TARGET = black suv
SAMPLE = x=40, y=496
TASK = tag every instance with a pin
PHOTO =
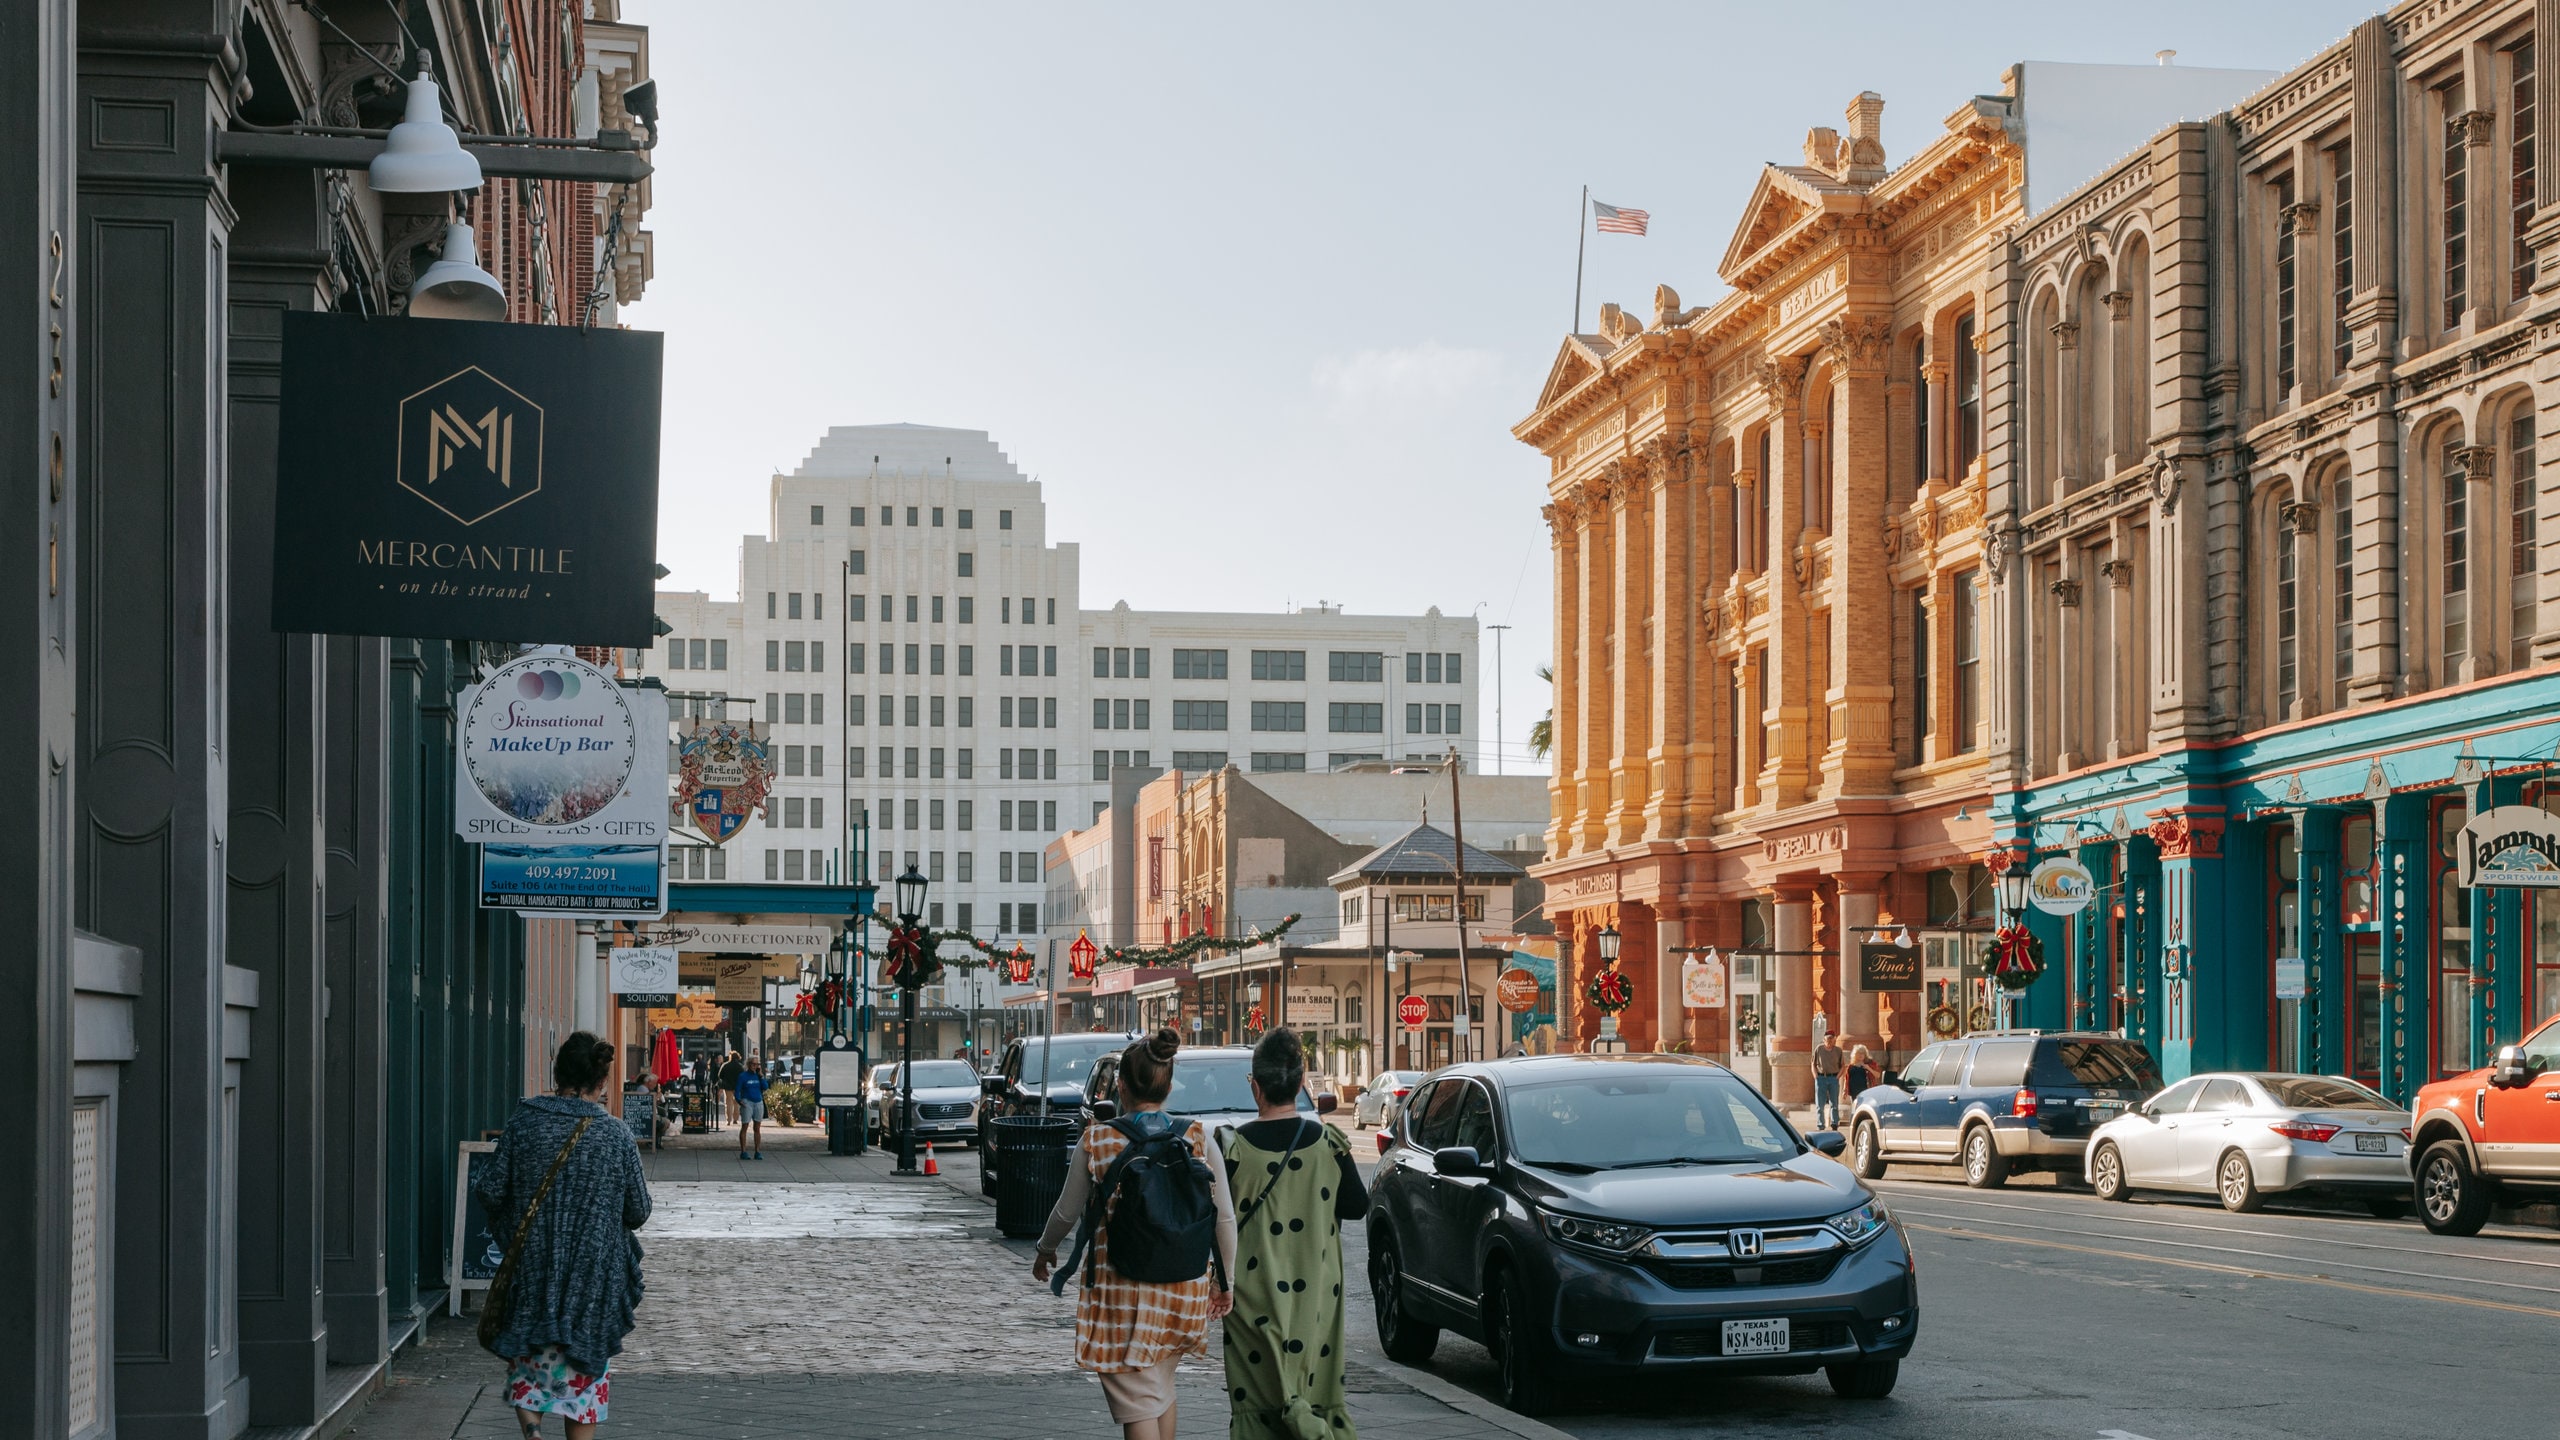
x=1065, y=1061
x=1600, y=1213
x=2000, y=1102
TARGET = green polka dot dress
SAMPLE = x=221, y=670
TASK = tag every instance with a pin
x=1284, y=1337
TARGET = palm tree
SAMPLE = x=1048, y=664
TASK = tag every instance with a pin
x=1542, y=736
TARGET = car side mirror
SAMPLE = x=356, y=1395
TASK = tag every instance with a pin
x=1327, y=1104
x=2510, y=1070
x=1104, y=1109
x=2139, y=1107
x=992, y=1086
x=1459, y=1160
x=1829, y=1142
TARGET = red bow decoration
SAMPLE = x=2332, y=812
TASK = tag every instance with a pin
x=2016, y=957
x=1609, y=992
x=829, y=999
x=804, y=1007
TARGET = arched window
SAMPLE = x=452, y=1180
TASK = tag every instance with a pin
x=1921, y=474
x=2523, y=552
x=2043, y=396
x=1968, y=397
x=2453, y=558
x=1759, y=547
x=1825, y=451
x=2288, y=619
x=2342, y=585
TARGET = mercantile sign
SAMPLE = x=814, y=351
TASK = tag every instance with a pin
x=463, y=480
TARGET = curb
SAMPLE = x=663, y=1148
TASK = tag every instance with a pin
x=1469, y=1403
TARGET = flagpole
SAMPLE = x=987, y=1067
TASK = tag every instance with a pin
x=1581, y=237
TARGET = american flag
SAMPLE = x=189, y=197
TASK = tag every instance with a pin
x=1614, y=221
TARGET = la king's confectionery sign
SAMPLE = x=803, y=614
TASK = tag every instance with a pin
x=2512, y=845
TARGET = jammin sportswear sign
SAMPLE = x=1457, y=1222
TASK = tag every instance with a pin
x=463, y=480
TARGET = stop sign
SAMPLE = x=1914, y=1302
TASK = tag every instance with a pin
x=1412, y=1011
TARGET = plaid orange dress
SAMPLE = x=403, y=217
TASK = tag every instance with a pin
x=1125, y=1324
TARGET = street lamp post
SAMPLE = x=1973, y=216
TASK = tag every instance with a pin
x=2011, y=890
x=909, y=952
x=1607, y=938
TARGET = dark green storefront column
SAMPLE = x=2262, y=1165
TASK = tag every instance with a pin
x=2322, y=1038
x=2405, y=911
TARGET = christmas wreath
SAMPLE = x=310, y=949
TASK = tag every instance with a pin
x=1609, y=992
x=1982, y=1017
x=2015, y=957
x=1943, y=1021
x=1746, y=1031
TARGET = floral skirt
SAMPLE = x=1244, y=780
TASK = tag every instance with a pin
x=543, y=1383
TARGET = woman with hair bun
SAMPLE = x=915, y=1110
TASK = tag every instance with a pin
x=563, y=1193
x=1299, y=1184
x=1131, y=1332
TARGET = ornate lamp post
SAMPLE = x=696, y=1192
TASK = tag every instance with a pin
x=2009, y=887
x=1608, y=988
x=912, y=965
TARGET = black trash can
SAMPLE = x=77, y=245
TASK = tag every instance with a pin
x=845, y=1133
x=1031, y=1169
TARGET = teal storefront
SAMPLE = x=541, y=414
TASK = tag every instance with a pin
x=2291, y=900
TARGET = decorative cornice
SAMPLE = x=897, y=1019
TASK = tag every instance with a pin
x=2474, y=128
x=2474, y=462
x=2066, y=590
x=1781, y=379
x=2119, y=304
x=2119, y=573
x=2066, y=334
x=2305, y=215
x=2302, y=516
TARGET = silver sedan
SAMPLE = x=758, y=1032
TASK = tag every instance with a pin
x=1379, y=1098
x=2244, y=1136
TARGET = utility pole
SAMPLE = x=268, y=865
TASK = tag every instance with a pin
x=1458, y=863
x=1497, y=695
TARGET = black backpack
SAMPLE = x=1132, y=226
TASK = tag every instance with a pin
x=1165, y=1230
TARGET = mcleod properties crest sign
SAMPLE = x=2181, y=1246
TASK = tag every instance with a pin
x=464, y=480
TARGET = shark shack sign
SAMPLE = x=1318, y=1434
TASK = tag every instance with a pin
x=461, y=480
x=2514, y=846
x=555, y=753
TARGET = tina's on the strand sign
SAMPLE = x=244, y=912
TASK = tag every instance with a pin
x=461, y=480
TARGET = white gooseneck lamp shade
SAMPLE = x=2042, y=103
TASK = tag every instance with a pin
x=455, y=287
x=423, y=155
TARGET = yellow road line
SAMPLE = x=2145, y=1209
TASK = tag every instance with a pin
x=2238, y=1270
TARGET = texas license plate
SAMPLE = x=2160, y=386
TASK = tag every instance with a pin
x=2373, y=1145
x=1755, y=1337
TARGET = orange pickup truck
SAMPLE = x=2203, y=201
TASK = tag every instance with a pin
x=2489, y=1138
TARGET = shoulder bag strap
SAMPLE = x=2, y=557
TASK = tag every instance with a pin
x=502, y=1283
x=1246, y=1213
x=1094, y=1205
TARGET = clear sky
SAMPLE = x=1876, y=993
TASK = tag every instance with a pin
x=1257, y=295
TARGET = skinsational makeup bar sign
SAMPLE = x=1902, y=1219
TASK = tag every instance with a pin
x=554, y=753
x=462, y=480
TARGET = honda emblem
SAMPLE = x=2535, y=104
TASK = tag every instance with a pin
x=1745, y=1244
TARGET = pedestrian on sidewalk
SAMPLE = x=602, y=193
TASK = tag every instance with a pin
x=730, y=1070
x=751, y=1108
x=1861, y=1073
x=1298, y=1185
x=1132, y=1332
x=566, y=1190
x=1828, y=1060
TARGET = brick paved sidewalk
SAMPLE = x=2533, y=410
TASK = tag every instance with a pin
x=820, y=1296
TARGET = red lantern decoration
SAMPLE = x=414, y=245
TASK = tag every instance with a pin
x=1081, y=955
x=1018, y=966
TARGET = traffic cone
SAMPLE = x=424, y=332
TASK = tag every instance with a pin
x=929, y=1167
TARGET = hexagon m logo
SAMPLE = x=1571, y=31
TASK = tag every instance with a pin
x=470, y=446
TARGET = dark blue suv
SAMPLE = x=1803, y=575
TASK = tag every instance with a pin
x=1999, y=1102
x=1595, y=1215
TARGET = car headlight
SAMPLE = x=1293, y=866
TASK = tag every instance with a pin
x=1615, y=1237
x=1862, y=1224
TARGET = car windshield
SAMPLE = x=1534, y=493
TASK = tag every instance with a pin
x=1618, y=1121
x=1211, y=1084
x=942, y=1074
x=1070, y=1059
x=2320, y=1092
x=2123, y=1064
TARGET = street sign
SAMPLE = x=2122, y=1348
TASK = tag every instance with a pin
x=1887, y=968
x=1413, y=1010
x=724, y=768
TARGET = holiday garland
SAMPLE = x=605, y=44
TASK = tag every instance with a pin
x=986, y=953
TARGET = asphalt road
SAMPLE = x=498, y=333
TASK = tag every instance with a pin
x=2047, y=1313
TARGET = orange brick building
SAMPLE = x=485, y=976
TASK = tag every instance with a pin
x=1767, y=515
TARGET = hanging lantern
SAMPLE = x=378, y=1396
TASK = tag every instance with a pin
x=1080, y=957
x=1017, y=966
